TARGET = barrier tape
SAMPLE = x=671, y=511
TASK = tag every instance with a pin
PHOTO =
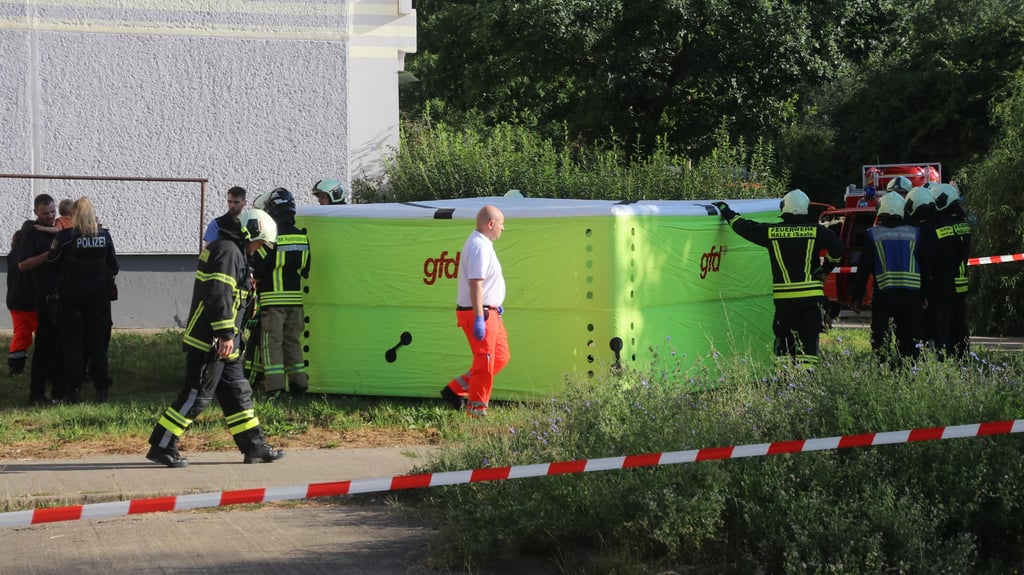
x=401, y=482
x=971, y=262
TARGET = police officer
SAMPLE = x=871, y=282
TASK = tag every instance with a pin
x=329, y=191
x=895, y=255
x=797, y=276
x=86, y=263
x=221, y=296
x=953, y=236
x=279, y=270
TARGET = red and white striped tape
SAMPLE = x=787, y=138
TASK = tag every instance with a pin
x=971, y=262
x=400, y=482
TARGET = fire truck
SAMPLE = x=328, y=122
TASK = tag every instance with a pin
x=858, y=213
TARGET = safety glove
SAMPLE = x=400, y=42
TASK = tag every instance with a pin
x=724, y=210
x=479, y=328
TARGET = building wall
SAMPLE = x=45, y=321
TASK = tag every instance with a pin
x=259, y=94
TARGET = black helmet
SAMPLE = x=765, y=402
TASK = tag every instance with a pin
x=280, y=201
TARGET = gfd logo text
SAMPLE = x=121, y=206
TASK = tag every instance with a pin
x=441, y=266
x=712, y=261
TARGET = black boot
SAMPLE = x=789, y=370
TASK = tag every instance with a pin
x=15, y=365
x=264, y=453
x=166, y=457
x=453, y=399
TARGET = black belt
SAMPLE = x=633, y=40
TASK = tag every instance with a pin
x=469, y=308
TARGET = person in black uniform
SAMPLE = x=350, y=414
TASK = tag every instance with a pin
x=279, y=270
x=953, y=236
x=898, y=256
x=47, y=364
x=221, y=298
x=794, y=245
x=85, y=261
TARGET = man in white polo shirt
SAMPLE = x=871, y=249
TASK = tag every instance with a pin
x=478, y=309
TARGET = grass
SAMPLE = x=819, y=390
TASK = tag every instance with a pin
x=147, y=371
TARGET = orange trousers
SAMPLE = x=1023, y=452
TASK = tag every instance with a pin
x=25, y=324
x=490, y=356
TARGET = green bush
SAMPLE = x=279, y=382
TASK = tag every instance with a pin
x=949, y=506
x=440, y=161
x=992, y=196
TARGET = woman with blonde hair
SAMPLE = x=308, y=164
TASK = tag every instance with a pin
x=86, y=264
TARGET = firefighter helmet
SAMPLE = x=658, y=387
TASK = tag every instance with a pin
x=891, y=204
x=332, y=190
x=917, y=199
x=258, y=225
x=795, y=202
x=280, y=201
x=945, y=195
x=899, y=184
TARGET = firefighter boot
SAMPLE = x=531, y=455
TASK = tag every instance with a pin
x=263, y=453
x=167, y=457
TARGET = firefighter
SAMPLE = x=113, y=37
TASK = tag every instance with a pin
x=953, y=249
x=797, y=274
x=897, y=258
x=221, y=296
x=329, y=191
x=920, y=212
x=279, y=270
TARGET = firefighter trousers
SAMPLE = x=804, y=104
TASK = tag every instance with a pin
x=796, y=327
x=490, y=356
x=281, y=347
x=206, y=377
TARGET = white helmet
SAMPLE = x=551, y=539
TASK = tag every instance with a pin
x=945, y=195
x=917, y=199
x=258, y=225
x=795, y=202
x=334, y=190
x=892, y=204
x=899, y=184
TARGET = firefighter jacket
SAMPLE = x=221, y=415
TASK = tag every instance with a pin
x=85, y=264
x=279, y=270
x=221, y=295
x=898, y=255
x=953, y=235
x=794, y=248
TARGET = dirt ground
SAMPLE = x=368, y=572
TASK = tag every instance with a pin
x=219, y=441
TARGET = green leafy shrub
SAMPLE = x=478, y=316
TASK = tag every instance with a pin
x=951, y=506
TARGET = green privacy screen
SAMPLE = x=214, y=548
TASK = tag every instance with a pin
x=590, y=283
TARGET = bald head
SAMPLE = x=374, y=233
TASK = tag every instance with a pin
x=490, y=222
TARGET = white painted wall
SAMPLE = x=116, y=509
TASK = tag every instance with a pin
x=254, y=93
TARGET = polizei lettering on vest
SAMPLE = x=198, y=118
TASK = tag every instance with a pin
x=85, y=242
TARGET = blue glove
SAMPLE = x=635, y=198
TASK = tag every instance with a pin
x=479, y=327
x=501, y=310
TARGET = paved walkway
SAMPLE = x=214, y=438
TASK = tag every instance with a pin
x=358, y=535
